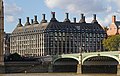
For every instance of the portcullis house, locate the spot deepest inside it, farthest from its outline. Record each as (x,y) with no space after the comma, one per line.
(54,37)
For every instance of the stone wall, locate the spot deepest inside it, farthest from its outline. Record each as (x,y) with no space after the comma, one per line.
(24,67)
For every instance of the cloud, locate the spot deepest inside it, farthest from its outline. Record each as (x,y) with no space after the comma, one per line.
(82,5)
(89,20)
(107,8)
(106,20)
(11,11)
(10,19)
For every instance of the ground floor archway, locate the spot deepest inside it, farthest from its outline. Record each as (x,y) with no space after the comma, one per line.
(65,65)
(100,64)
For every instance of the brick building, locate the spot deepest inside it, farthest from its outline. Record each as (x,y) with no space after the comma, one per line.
(114,27)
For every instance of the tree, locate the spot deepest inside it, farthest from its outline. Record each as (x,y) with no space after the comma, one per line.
(112,43)
(14,57)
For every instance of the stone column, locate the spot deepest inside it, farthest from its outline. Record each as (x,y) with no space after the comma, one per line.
(118,69)
(79,69)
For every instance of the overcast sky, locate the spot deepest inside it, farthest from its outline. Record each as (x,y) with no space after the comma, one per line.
(15,9)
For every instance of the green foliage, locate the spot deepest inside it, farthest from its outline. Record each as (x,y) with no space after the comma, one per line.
(17,57)
(14,57)
(112,43)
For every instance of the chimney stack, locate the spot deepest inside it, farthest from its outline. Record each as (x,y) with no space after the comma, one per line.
(67,15)
(113,19)
(82,20)
(31,21)
(67,18)
(94,16)
(53,19)
(43,20)
(53,14)
(43,16)
(35,20)
(27,23)
(19,24)
(82,16)
(94,19)
(27,19)
(19,21)
(74,20)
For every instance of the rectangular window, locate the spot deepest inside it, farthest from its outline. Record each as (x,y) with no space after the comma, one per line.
(59,33)
(63,34)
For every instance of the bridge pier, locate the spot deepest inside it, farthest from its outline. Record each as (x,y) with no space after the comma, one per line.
(118,69)
(79,69)
(50,68)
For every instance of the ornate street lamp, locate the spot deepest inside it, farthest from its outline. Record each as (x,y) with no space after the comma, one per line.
(80,66)
(80,50)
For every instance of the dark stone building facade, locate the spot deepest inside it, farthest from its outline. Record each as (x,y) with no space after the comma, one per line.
(54,37)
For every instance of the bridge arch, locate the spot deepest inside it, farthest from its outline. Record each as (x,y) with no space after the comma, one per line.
(110,56)
(100,63)
(70,57)
(65,64)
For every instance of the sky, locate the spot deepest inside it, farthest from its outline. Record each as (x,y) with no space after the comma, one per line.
(104,9)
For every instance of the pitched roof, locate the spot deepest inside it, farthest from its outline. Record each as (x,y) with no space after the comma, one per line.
(117,24)
(61,25)
(55,25)
(32,27)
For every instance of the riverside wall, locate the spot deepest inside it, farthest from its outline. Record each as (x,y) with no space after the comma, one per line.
(24,67)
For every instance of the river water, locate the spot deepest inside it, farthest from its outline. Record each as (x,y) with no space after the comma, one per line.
(56,74)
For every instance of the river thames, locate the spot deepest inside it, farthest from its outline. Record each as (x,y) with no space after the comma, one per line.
(56,74)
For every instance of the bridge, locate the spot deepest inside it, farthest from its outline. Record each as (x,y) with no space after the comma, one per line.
(94,62)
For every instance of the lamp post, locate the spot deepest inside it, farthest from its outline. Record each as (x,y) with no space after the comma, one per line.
(79,66)
(80,49)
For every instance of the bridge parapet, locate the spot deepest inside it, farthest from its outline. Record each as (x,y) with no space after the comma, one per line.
(113,58)
(73,56)
(83,56)
(112,54)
